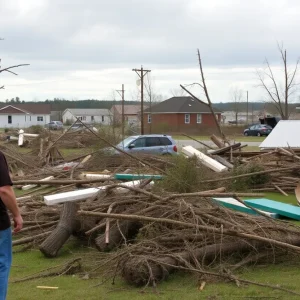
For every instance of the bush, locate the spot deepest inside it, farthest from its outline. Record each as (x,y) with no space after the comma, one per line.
(183,177)
(35,129)
(249,182)
(68,122)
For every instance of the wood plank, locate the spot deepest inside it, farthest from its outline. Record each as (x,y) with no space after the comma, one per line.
(225,149)
(204,159)
(31,186)
(84,194)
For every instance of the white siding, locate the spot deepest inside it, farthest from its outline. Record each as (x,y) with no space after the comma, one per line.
(22,121)
(68,116)
(100,119)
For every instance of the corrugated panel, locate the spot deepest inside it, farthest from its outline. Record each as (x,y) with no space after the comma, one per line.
(284,135)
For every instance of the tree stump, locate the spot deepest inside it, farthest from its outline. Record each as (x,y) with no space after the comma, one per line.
(66,226)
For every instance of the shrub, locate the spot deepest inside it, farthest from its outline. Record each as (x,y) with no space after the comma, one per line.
(68,122)
(246,183)
(183,177)
(36,129)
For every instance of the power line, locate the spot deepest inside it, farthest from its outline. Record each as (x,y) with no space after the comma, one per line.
(121,93)
(141,73)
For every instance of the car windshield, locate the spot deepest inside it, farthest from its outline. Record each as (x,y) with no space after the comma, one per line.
(127,141)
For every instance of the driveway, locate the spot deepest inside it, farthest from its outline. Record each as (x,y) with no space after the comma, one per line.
(181,143)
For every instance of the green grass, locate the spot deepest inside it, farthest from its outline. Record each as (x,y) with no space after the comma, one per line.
(237,138)
(75,151)
(178,286)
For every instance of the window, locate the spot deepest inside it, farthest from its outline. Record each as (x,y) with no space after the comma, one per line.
(84,118)
(9,119)
(79,118)
(102,118)
(187,118)
(92,118)
(139,143)
(40,118)
(165,141)
(152,142)
(149,118)
(199,118)
(30,118)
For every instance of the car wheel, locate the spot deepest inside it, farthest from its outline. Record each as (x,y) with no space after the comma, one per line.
(258,134)
(246,133)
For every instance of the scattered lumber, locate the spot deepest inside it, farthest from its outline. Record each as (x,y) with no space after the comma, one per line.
(217,141)
(225,149)
(204,159)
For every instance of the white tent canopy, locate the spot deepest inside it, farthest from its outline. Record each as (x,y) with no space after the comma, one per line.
(286,134)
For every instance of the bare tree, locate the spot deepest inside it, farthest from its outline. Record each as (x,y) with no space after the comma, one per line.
(177,92)
(151,96)
(236,96)
(205,90)
(9,69)
(278,94)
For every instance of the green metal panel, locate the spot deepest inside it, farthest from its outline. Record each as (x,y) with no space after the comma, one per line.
(236,205)
(283,209)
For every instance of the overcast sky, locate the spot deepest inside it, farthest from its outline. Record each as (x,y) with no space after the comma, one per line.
(80,49)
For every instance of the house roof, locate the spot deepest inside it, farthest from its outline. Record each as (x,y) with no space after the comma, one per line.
(183,104)
(30,108)
(284,135)
(128,109)
(88,111)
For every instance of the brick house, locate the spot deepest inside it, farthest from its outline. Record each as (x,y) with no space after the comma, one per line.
(179,114)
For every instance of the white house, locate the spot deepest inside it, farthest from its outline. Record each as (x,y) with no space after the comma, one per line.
(24,115)
(87,115)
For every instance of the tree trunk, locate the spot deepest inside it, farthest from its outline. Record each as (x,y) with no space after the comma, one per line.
(128,230)
(140,270)
(66,226)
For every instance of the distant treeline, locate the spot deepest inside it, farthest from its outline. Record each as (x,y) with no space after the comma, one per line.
(62,104)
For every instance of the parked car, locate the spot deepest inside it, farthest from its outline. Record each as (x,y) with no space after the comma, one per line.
(258,130)
(54,125)
(158,144)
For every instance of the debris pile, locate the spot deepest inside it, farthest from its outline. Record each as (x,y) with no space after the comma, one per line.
(116,202)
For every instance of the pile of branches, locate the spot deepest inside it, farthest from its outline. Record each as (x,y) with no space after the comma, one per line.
(157,235)
(285,160)
(154,234)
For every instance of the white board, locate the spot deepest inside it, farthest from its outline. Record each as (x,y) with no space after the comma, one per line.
(31,186)
(204,159)
(84,194)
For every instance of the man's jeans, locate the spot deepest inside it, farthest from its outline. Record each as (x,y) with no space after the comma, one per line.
(5,260)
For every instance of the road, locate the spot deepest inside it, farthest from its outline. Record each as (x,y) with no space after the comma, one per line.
(181,143)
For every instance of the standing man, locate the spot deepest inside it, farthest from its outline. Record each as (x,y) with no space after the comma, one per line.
(7,201)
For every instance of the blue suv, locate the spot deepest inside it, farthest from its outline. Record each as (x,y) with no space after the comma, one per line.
(158,144)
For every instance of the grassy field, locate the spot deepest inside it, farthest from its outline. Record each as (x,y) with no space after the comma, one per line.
(178,286)
(237,138)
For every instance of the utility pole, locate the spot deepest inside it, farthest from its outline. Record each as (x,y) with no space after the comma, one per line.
(141,73)
(121,93)
(247,108)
